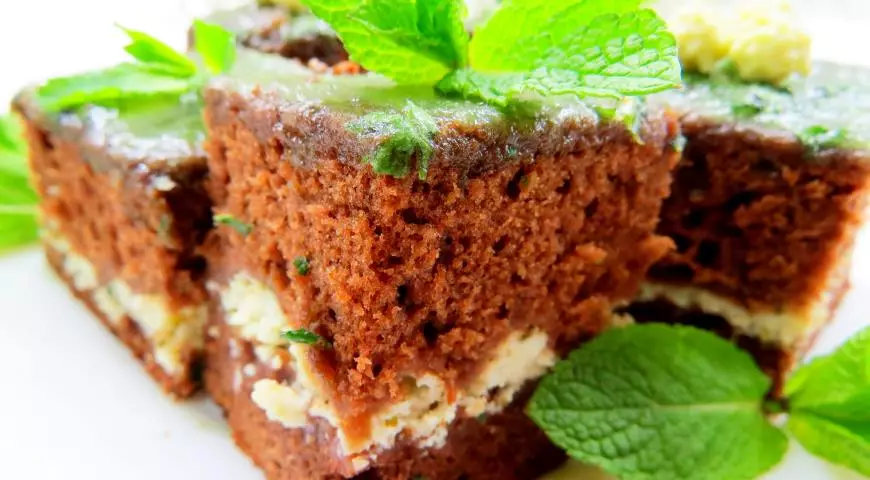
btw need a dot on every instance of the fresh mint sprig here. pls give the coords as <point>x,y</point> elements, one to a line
<point>304,336</point>
<point>584,48</point>
<point>658,402</point>
<point>158,71</point>
<point>18,201</point>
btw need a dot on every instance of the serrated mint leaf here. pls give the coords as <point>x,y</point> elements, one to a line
<point>657,402</point>
<point>523,32</point>
<point>405,139</point>
<point>226,219</point>
<point>303,336</point>
<point>215,45</point>
<point>149,50</point>
<point>409,41</point>
<point>836,386</point>
<point>124,81</point>
<point>842,443</point>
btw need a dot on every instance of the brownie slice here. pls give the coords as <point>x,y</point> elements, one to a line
<point>440,294</point>
<point>767,199</point>
<point>280,31</point>
<point>124,206</point>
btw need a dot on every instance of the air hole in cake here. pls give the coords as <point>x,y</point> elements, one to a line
<point>516,279</point>
<point>376,369</point>
<point>591,208</point>
<point>674,273</point>
<point>694,219</point>
<point>693,174</point>
<point>513,188</point>
<point>395,261</point>
<point>45,141</point>
<point>499,245</point>
<point>708,253</point>
<point>411,217</point>
<point>378,231</point>
<point>565,187</point>
<point>741,199</point>
<point>765,165</point>
<point>503,312</point>
<point>445,254</point>
<point>195,264</point>
<point>682,242</point>
<point>402,296</point>
<point>430,332</point>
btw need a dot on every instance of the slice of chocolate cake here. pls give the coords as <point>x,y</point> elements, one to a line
<point>124,206</point>
<point>773,185</point>
<point>397,270</point>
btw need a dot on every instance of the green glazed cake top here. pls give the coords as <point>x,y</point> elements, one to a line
<point>828,109</point>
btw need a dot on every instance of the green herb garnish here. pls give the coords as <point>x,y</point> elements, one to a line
<point>658,402</point>
<point>158,71</point>
<point>407,137</point>
<point>226,219</point>
<point>19,223</point>
<point>750,107</point>
<point>304,336</point>
<point>583,48</point>
<point>818,138</point>
<point>302,265</point>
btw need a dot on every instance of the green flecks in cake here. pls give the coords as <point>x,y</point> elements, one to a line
<point>305,337</point>
<point>405,140</point>
<point>302,265</point>
<point>835,98</point>
<point>232,222</point>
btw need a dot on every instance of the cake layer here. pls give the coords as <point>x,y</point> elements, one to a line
<point>167,339</point>
<point>506,445</point>
<point>517,225</point>
<point>768,196</point>
<point>124,207</point>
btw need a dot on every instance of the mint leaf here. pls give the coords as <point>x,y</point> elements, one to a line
<point>302,265</point>
<point>149,50</point>
<point>836,386</point>
<point>818,138</point>
<point>409,41</point>
<point>103,87</point>
<point>842,443</point>
<point>18,226</point>
<point>11,141</point>
<point>660,402</point>
<point>226,219</point>
<point>405,137</point>
<point>216,46</point>
<point>523,32</point>
<point>304,336</point>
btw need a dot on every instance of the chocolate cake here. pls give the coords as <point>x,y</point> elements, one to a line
<point>773,184</point>
<point>764,208</point>
<point>438,290</point>
<point>124,206</point>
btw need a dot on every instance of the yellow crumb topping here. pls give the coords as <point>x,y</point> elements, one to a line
<point>764,43</point>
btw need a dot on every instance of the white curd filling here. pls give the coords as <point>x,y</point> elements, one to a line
<point>427,409</point>
<point>171,332</point>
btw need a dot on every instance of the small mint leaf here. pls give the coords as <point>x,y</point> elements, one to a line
<point>226,219</point>
<point>656,402</point>
<point>302,265</point>
<point>836,386</point>
<point>125,81</point>
<point>750,107</point>
<point>818,138</point>
<point>215,45</point>
<point>842,443</point>
<point>411,42</point>
<point>149,50</point>
<point>404,137</point>
<point>304,336</point>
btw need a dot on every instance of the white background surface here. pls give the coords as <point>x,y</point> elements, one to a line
<point>73,404</point>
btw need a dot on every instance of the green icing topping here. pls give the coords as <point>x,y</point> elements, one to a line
<point>828,109</point>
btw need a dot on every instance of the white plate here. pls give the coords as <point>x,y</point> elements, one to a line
<point>73,404</point>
